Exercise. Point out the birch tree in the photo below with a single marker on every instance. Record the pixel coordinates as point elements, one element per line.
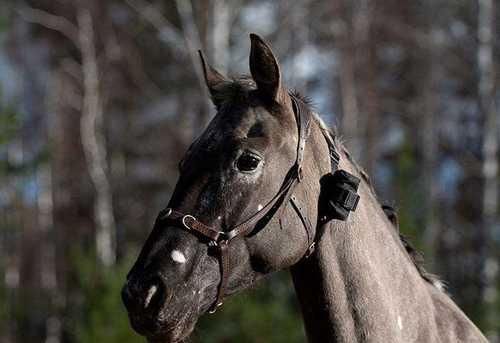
<point>90,105</point>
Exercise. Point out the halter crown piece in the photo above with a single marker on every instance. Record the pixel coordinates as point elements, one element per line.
<point>339,193</point>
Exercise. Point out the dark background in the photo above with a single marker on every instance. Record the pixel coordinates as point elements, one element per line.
<point>99,100</point>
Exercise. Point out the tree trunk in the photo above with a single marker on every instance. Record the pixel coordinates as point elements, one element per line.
<point>486,92</point>
<point>343,37</point>
<point>93,141</point>
<point>193,43</point>
<point>429,143</point>
<point>219,32</point>
<point>366,56</point>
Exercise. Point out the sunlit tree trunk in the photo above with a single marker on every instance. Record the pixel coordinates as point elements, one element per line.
<point>193,42</point>
<point>93,140</point>
<point>90,104</point>
<point>218,35</point>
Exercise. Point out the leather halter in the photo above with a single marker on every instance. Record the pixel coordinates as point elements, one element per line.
<point>222,239</point>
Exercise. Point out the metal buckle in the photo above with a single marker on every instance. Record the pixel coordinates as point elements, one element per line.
<point>226,235</point>
<point>167,214</point>
<point>311,249</point>
<point>299,173</point>
<point>218,244</point>
<point>184,220</point>
<point>213,310</point>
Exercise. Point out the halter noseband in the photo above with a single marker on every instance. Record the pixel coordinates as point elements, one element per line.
<point>345,198</point>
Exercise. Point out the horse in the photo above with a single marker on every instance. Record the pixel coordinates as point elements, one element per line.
<point>259,192</point>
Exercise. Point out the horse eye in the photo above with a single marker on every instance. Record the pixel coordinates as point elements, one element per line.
<point>247,162</point>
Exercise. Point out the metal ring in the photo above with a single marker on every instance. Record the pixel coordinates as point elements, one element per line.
<point>184,220</point>
<point>167,214</point>
<point>214,309</point>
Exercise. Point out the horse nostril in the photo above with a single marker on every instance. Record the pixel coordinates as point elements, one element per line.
<point>139,298</point>
<point>151,293</point>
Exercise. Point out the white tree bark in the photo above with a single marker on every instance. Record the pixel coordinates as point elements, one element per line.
<point>219,34</point>
<point>191,37</point>
<point>93,141</point>
<point>193,44</point>
<point>168,33</point>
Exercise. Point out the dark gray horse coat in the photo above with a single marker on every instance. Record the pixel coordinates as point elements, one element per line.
<point>360,284</point>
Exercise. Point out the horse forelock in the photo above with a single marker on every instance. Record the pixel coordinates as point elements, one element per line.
<point>233,91</point>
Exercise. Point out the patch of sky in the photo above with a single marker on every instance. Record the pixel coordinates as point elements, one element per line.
<point>308,66</point>
<point>310,62</point>
<point>255,17</point>
<point>458,29</point>
<point>383,174</point>
<point>449,175</point>
<point>29,187</point>
<point>10,81</point>
<point>322,103</point>
<point>259,17</point>
<point>393,137</point>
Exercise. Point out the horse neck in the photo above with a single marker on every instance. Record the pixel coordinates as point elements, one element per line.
<point>359,281</point>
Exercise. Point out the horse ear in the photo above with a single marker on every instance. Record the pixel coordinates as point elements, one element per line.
<point>213,78</point>
<point>265,70</point>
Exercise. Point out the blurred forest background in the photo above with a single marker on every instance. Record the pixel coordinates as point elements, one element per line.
<point>99,100</point>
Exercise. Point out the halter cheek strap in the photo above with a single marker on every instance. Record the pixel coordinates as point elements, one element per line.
<point>222,239</point>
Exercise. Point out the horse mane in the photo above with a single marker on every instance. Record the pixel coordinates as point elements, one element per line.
<point>237,90</point>
<point>416,256</point>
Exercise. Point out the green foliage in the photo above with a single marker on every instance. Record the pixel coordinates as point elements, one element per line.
<point>268,313</point>
<point>9,127</point>
<point>9,124</point>
<point>5,23</point>
<point>104,318</point>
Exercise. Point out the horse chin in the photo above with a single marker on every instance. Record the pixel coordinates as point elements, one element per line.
<point>158,330</point>
<point>177,335</point>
